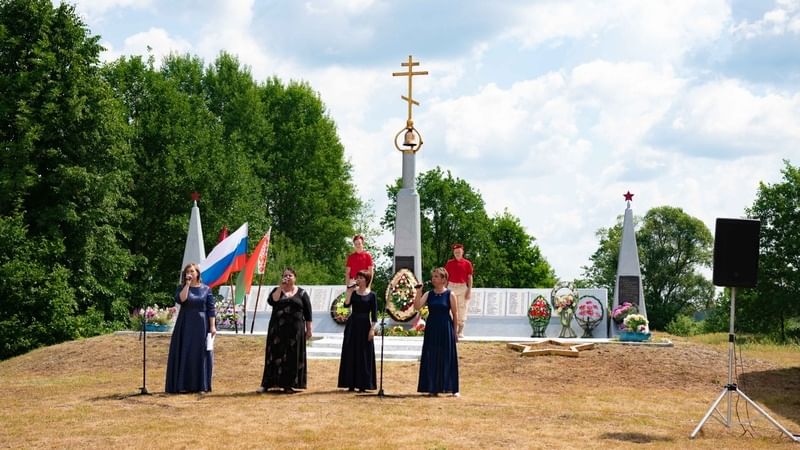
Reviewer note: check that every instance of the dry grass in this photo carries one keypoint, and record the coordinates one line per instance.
(80, 394)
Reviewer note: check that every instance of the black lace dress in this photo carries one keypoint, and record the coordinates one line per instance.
(285, 359)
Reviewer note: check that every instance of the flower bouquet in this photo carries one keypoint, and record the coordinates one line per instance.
(400, 296)
(636, 328)
(229, 316)
(155, 318)
(589, 314)
(539, 314)
(340, 312)
(563, 298)
(621, 312)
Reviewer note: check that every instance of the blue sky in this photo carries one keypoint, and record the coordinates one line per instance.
(551, 109)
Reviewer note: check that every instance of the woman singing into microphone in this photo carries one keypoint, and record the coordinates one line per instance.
(189, 365)
(438, 368)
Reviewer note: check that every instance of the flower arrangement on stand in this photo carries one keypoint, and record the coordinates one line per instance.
(622, 311)
(400, 296)
(589, 314)
(636, 328)
(539, 313)
(229, 316)
(340, 312)
(563, 298)
(154, 317)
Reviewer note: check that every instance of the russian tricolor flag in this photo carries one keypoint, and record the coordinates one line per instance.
(227, 257)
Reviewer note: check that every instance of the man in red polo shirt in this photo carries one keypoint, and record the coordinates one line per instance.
(459, 271)
(360, 259)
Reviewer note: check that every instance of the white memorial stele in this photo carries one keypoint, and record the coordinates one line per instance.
(629, 275)
(194, 251)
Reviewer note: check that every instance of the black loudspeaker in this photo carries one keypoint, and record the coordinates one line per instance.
(736, 244)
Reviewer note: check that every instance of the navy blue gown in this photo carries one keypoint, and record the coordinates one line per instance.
(357, 364)
(189, 364)
(438, 368)
(285, 356)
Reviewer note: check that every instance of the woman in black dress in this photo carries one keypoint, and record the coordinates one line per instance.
(289, 327)
(438, 365)
(357, 364)
(189, 364)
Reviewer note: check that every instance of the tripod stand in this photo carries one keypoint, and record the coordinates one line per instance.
(731, 388)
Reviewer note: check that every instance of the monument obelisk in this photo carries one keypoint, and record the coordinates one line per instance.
(194, 251)
(629, 275)
(407, 237)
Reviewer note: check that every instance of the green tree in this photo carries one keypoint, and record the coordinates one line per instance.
(180, 148)
(451, 211)
(513, 259)
(63, 168)
(603, 270)
(673, 248)
(777, 206)
(309, 191)
(502, 253)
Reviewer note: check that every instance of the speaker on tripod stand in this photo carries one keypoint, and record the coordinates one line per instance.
(736, 248)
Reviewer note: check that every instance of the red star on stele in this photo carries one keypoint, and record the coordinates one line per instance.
(628, 196)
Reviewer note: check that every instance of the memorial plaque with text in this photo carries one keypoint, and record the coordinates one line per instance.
(629, 290)
(475, 304)
(517, 303)
(320, 299)
(494, 303)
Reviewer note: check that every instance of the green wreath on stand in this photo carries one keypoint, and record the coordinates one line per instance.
(339, 312)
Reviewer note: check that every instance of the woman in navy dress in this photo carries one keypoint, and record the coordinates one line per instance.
(189, 364)
(289, 328)
(357, 364)
(438, 368)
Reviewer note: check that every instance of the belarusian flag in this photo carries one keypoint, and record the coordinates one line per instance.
(245, 279)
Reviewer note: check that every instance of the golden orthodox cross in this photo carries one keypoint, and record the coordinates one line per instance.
(410, 73)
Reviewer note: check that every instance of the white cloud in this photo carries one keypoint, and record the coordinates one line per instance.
(337, 6)
(783, 19)
(655, 31)
(95, 10)
(155, 41)
(727, 116)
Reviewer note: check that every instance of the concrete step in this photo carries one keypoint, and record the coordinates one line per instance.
(394, 348)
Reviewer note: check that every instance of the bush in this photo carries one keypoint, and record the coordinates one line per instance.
(683, 325)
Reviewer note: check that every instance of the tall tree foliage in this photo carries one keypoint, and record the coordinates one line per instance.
(777, 206)
(503, 255)
(63, 161)
(180, 148)
(673, 248)
(513, 259)
(310, 194)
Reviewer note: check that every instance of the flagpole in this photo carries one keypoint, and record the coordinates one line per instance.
(258, 294)
(233, 303)
(263, 253)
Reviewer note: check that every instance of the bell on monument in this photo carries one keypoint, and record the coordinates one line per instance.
(410, 140)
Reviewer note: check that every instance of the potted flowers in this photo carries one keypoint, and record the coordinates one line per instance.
(621, 312)
(539, 316)
(636, 328)
(155, 318)
(228, 316)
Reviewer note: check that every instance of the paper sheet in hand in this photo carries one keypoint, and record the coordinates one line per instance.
(209, 342)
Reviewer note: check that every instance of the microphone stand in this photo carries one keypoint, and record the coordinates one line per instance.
(143, 338)
(383, 337)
